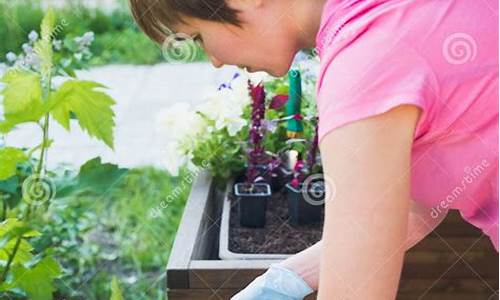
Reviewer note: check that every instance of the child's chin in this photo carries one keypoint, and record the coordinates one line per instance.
(277, 73)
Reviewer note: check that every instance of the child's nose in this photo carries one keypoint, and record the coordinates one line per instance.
(215, 62)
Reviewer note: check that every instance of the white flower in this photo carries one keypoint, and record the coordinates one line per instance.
(179, 121)
(27, 48)
(11, 57)
(57, 44)
(226, 105)
(33, 36)
(257, 77)
(85, 40)
(32, 60)
(88, 37)
(233, 125)
(226, 109)
(239, 90)
(173, 158)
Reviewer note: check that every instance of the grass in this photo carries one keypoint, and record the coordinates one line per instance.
(117, 236)
(117, 37)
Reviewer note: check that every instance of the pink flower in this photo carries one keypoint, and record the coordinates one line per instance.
(295, 182)
(278, 102)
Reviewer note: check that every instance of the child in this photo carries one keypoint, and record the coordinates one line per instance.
(408, 121)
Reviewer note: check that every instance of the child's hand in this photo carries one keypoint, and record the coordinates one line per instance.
(277, 283)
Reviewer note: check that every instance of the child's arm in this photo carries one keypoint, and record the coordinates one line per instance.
(365, 229)
(306, 263)
(420, 223)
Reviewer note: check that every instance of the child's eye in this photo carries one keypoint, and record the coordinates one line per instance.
(198, 38)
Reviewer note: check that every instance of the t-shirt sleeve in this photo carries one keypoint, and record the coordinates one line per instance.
(371, 75)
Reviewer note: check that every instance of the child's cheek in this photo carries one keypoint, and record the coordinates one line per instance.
(228, 49)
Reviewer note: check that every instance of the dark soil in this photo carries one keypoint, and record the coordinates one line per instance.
(278, 236)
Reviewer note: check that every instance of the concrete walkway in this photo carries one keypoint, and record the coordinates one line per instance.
(140, 92)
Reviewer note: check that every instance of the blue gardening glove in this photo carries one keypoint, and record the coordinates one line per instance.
(277, 283)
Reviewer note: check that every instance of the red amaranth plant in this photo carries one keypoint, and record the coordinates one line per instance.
(300, 169)
(311, 155)
(256, 135)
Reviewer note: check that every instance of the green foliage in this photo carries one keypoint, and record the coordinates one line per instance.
(17, 19)
(22, 98)
(28, 96)
(33, 276)
(220, 153)
(129, 46)
(9, 158)
(94, 237)
(92, 108)
(37, 281)
(116, 293)
(94, 177)
(118, 39)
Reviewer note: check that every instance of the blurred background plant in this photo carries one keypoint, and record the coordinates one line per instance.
(90, 234)
(117, 37)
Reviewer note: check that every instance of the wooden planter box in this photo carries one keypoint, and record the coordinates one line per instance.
(455, 262)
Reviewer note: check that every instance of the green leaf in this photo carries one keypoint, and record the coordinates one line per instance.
(23, 254)
(37, 282)
(92, 108)
(9, 158)
(22, 98)
(13, 227)
(116, 293)
(10, 185)
(94, 177)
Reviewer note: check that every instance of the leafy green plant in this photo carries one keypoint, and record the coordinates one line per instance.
(116, 293)
(27, 188)
(117, 38)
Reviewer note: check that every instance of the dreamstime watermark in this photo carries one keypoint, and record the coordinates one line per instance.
(315, 187)
(179, 47)
(459, 48)
(471, 175)
(38, 189)
(184, 184)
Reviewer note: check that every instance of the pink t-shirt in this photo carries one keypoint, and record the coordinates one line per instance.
(441, 56)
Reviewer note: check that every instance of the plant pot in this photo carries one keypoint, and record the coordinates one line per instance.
(304, 210)
(284, 176)
(276, 182)
(252, 204)
(225, 252)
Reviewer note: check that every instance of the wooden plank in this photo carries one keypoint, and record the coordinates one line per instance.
(446, 296)
(426, 257)
(226, 294)
(208, 230)
(484, 268)
(456, 286)
(200, 294)
(188, 232)
(207, 294)
(459, 244)
(226, 273)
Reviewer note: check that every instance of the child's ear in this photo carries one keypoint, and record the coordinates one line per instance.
(244, 5)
